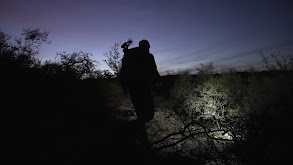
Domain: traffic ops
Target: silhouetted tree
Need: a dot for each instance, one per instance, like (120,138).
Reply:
(28,45)
(114,59)
(278,61)
(77,65)
(4,45)
(20,58)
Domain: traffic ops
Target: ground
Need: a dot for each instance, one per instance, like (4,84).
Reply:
(54,138)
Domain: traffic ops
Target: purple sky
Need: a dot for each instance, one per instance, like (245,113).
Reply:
(182,33)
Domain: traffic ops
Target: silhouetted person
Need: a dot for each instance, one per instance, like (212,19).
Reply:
(138,74)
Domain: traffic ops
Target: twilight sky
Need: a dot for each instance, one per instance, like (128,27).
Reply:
(182,33)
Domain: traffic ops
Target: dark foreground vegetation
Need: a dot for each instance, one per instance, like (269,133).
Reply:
(67,112)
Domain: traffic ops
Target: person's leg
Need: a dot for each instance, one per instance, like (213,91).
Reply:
(142,101)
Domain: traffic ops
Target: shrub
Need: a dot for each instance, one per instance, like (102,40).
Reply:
(182,85)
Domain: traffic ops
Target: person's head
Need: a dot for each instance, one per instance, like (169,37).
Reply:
(144,44)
